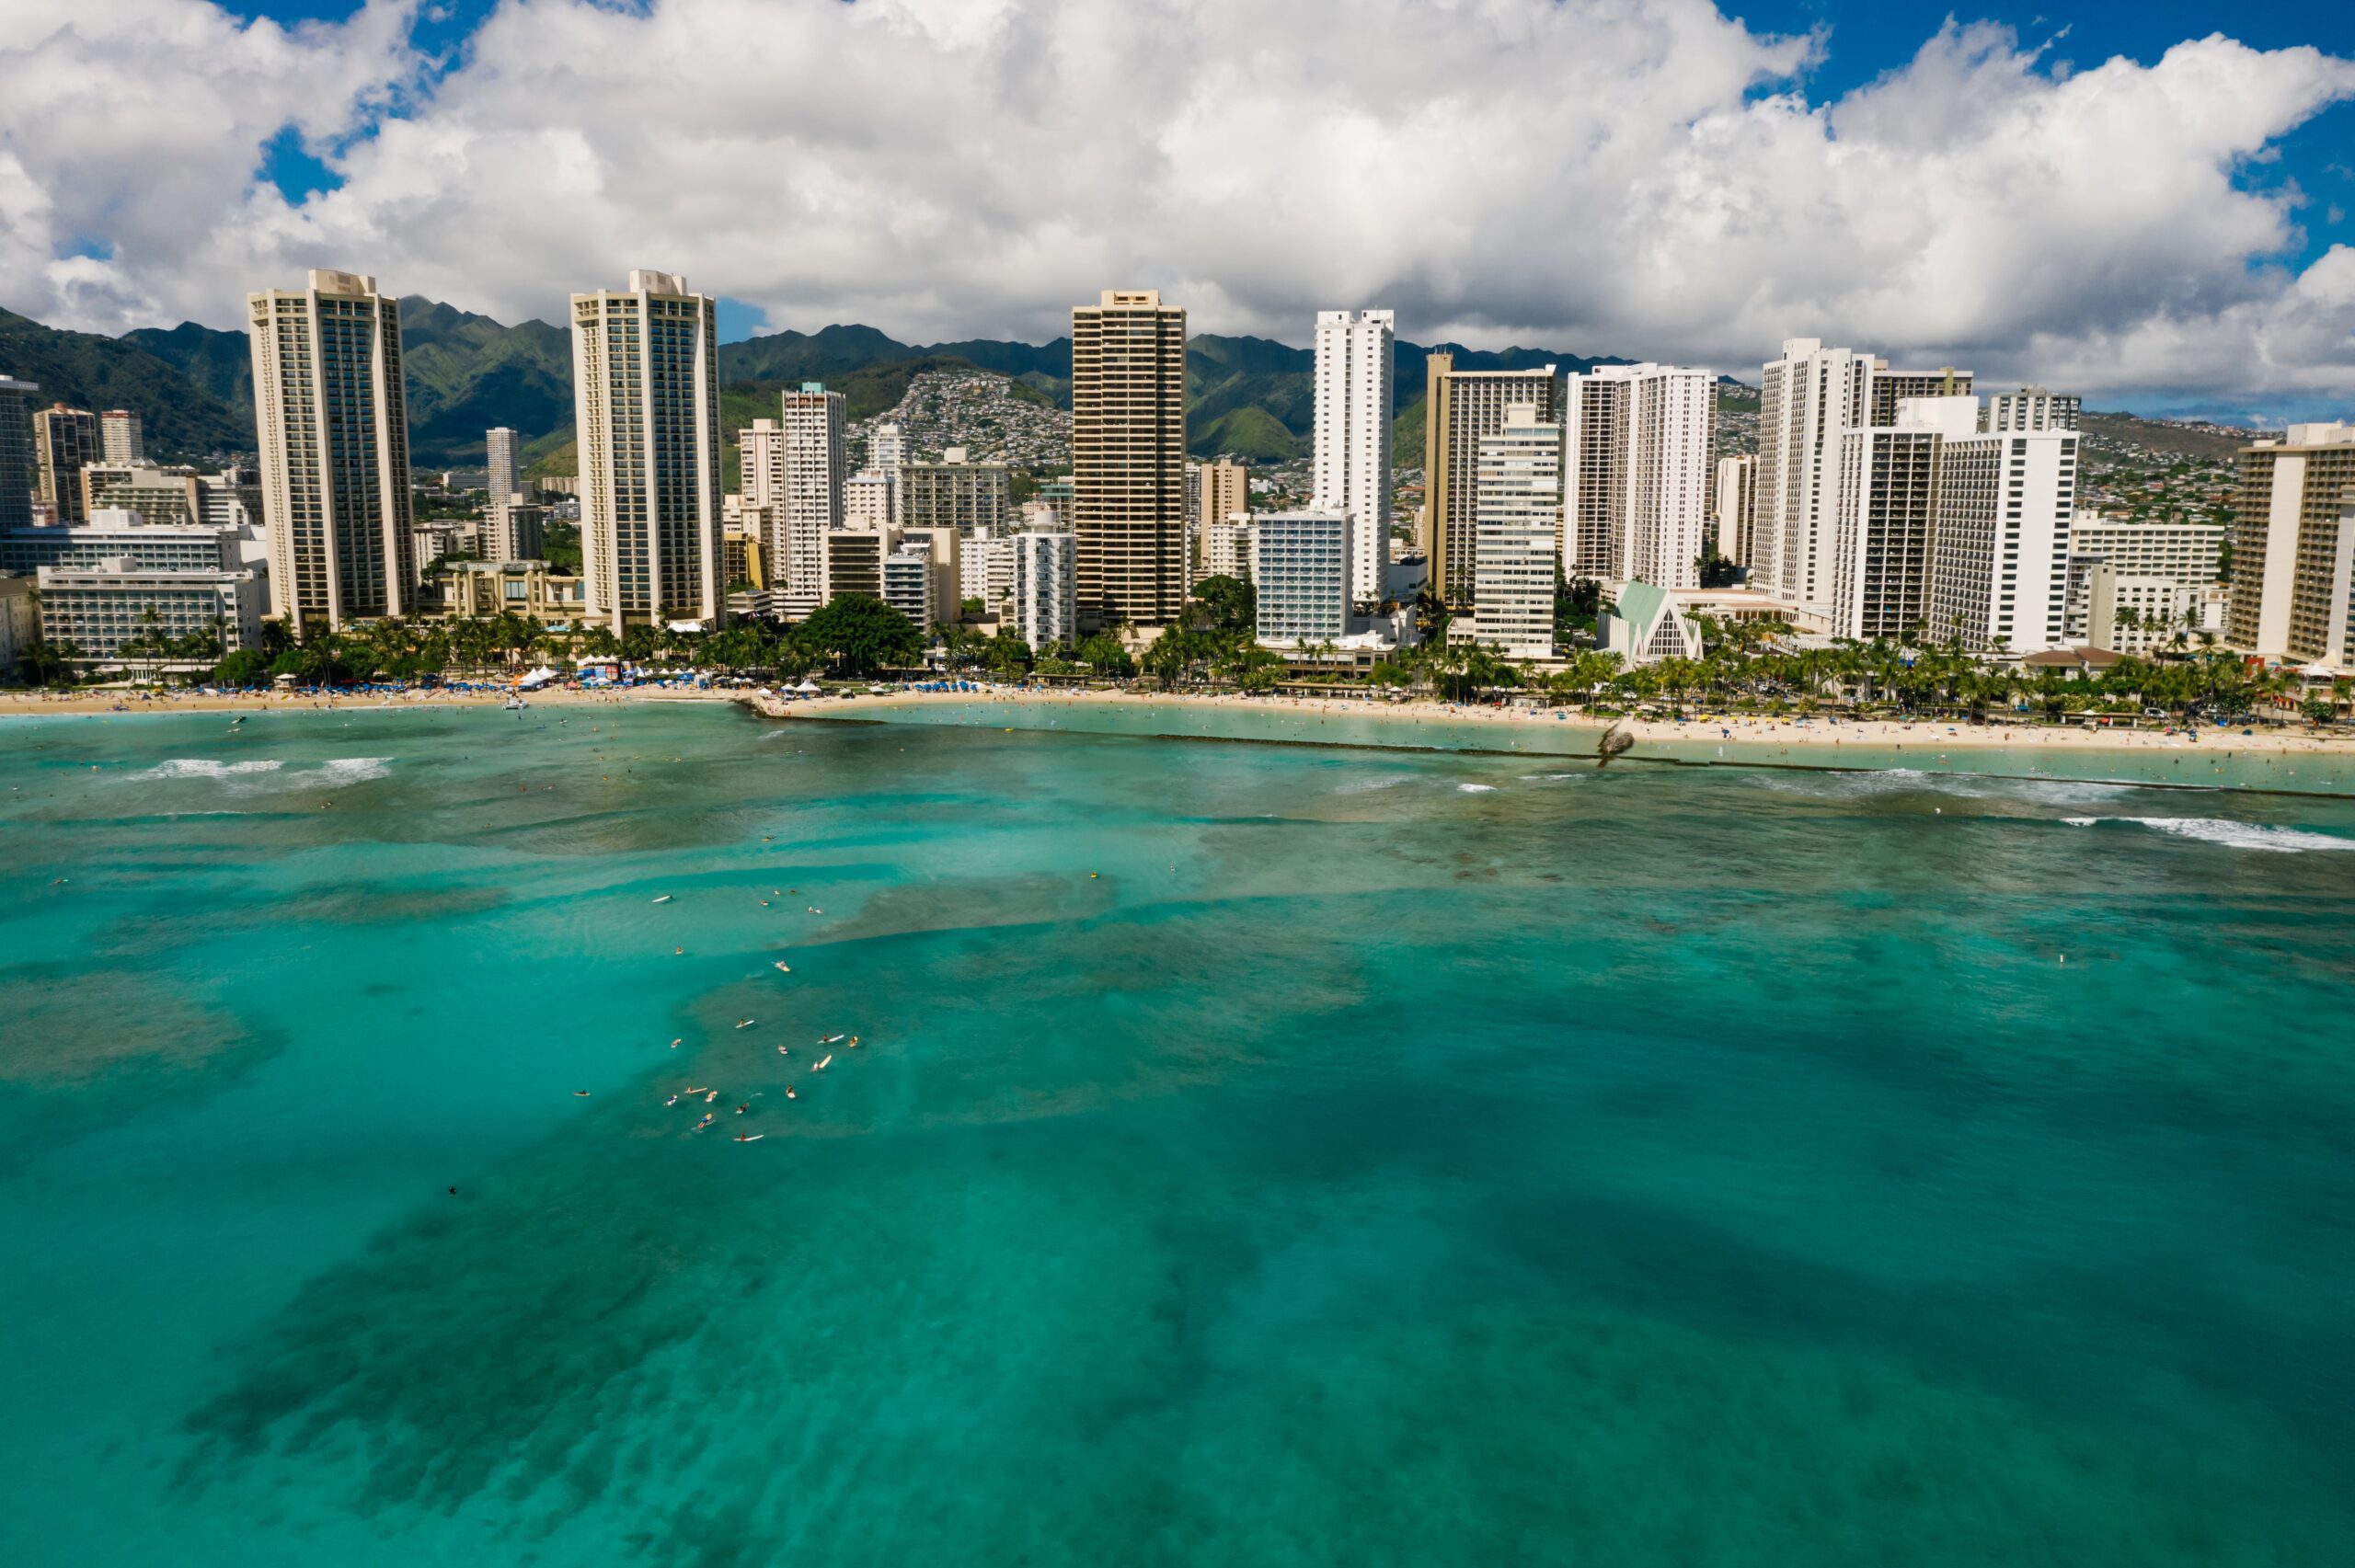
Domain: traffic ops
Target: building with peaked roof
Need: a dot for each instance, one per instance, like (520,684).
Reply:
(1648,627)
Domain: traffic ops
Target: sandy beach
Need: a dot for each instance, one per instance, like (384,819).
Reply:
(1738,729)
(2023,740)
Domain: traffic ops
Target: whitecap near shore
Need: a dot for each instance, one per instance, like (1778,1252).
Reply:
(2222,831)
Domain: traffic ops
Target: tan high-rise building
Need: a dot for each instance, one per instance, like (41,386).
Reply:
(1734,507)
(646,410)
(332,416)
(1462,408)
(1128,452)
(2294,546)
(65,440)
(1227,490)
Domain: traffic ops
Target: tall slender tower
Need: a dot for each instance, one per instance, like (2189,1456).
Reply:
(16,452)
(804,482)
(499,444)
(333,424)
(1463,406)
(1128,457)
(65,440)
(646,406)
(1807,400)
(1353,442)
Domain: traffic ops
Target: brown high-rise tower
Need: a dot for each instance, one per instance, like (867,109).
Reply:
(1128,459)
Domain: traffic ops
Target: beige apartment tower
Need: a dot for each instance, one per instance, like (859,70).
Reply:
(2294,546)
(333,422)
(1227,490)
(1128,459)
(645,411)
(1463,407)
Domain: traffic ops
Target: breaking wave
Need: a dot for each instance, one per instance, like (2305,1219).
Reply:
(2221,831)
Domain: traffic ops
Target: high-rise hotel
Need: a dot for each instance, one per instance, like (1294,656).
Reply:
(646,408)
(333,423)
(1636,473)
(1352,471)
(1463,408)
(1128,459)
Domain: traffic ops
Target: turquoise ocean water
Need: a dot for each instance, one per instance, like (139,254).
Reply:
(1275,1154)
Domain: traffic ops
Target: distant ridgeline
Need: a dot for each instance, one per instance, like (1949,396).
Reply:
(1251,397)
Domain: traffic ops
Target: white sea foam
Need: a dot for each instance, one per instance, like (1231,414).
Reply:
(1476,789)
(205,768)
(249,774)
(1379,781)
(2222,831)
(349,770)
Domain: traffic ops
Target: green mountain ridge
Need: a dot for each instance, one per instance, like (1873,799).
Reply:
(1251,397)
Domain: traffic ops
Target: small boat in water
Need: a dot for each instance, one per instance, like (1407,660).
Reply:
(666,898)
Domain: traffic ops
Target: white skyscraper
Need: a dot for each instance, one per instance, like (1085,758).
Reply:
(645,402)
(1520,528)
(1046,586)
(1352,473)
(1999,559)
(332,414)
(500,445)
(1636,473)
(1885,514)
(1808,400)
(805,493)
(887,448)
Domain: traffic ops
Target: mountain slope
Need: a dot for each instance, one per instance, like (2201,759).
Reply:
(180,417)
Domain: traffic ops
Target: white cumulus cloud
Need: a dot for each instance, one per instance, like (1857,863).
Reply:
(1640,177)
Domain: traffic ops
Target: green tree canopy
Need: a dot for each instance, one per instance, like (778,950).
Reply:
(863,635)
(1229,605)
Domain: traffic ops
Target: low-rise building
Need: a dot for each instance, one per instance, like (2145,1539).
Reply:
(528,586)
(1046,588)
(953,493)
(101,607)
(853,561)
(1301,566)
(114,532)
(2132,585)
(1647,627)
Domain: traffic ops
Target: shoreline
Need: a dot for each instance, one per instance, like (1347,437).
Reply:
(1757,735)
(1754,733)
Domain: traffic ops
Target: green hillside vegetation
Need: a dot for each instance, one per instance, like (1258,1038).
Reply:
(1250,434)
(90,371)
